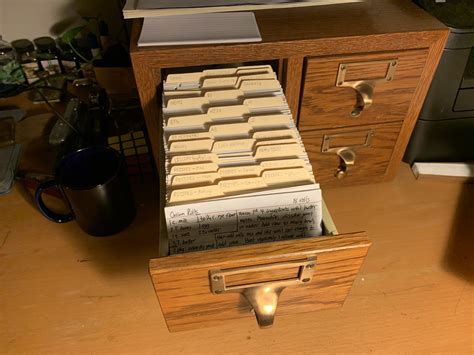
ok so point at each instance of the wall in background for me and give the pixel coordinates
(35, 18)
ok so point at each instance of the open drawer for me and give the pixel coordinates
(202, 289)
(206, 288)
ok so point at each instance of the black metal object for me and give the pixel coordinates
(445, 127)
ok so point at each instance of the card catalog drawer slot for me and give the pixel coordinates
(351, 155)
(353, 90)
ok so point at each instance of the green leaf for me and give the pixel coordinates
(68, 36)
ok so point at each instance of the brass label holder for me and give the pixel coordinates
(364, 87)
(346, 154)
(262, 297)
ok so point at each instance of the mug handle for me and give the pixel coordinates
(52, 216)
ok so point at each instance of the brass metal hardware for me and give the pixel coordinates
(346, 154)
(263, 296)
(364, 88)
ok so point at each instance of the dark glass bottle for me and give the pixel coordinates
(48, 55)
(71, 63)
(26, 57)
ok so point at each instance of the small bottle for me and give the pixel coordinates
(94, 46)
(26, 57)
(11, 76)
(105, 39)
(48, 55)
(71, 63)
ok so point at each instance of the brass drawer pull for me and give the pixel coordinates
(346, 153)
(364, 87)
(262, 296)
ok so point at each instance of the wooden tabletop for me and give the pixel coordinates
(370, 17)
(62, 291)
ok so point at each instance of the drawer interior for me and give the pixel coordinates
(329, 229)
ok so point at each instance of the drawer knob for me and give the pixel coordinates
(262, 296)
(364, 88)
(346, 153)
(340, 173)
(347, 158)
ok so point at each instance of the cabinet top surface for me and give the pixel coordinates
(355, 19)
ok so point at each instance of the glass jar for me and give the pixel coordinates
(48, 55)
(26, 57)
(11, 76)
(71, 63)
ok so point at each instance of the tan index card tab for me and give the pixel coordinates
(194, 169)
(184, 78)
(186, 103)
(189, 136)
(179, 93)
(264, 76)
(233, 81)
(219, 82)
(235, 145)
(279, 133)
(285, 176)
(226, 130)
(195, 193)
(186, 121)
(278, 151)
(265, 102)
(271, 121)
(219, 72)
(260, 85)
(277, 142)
(254, 69)
(223, 95)
(242, 185)
(204, 145)
(194, 179)
(240, 171)
(284, 163)
(226, 112)
(194, 158)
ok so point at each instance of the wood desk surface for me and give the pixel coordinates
(62, 291)
(371, 17)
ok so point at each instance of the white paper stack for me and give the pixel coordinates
(151, 8)
(236, 169)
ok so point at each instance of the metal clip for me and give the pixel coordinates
(263, 296)
(364, 88)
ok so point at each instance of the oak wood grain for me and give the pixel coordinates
(371, 162)
(432, 61)
(325, 105)
(293, 82)
(386, 25)
(182, 281)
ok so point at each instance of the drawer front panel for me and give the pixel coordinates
(353, 155)
(189, 299)
(354, 90)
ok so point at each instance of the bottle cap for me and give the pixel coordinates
(45, 43)
(5, 47)
(23, 45)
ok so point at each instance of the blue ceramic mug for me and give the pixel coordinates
(95, 185)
